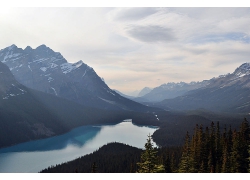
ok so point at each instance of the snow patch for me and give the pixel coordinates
(50, 79)
(12, 95)
(44, 69)
(84, 74)
(68, 67)
(21, 90)
(7, 56)
(29, 68)
(53, 65)
(54, 90)
(111, 102)
(41, 60)
(111, 93)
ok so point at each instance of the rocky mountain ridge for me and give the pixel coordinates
(227, 93)
(48, 71)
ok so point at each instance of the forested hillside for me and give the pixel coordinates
(208, 150)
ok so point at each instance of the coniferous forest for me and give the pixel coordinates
(207, 150)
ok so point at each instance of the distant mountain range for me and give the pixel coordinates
(48, 71)
(227, 93)
(169, 91)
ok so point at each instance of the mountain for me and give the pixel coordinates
(48, 71)
(124, 95)
(227, 93)
(27, 114)
(22, 117)
(171, 90)
(144, 91)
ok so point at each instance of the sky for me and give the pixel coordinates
(136, 46)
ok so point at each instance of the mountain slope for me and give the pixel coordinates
(228, 93)
(27, 114)
(48, 71)
(144, 91)
(172, 90)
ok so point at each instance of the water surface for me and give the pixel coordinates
(36, 155)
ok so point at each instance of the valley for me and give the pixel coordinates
(44, 97)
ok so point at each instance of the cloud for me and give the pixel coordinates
(129, 14)
(151, 34)
(147, 46)
(231, 36)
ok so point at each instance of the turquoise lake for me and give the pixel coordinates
(33, 156)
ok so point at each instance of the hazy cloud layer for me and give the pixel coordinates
(151, 33)
(132, 48)
(130, 14)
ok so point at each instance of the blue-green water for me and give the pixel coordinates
(34, 156)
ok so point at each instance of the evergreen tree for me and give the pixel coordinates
(212, 147)
(244, 141)
(206, 151)
(218, 149)
(186, 158)
(149, 160)
(94, 168)
(195, 150)
(225, 160)
(173, 165)
(167, 164)
(249, 158)
(234, 154)
(132, 169)
(202, 151)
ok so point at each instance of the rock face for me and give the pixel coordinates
(9, 87)
(48, 71)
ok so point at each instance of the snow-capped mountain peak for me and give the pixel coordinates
(48, 71)
(242, 70)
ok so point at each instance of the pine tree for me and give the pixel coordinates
(225, 160)
(167, 164)
(195, 150)
(218, 149)
(206, 151)
(212, 155)
(202, 151)
(235, 156)
(244, 141)
(186, 158)
(132, 169)
(94, 168)
(149, 160)
(249, 158)
(173, 163)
